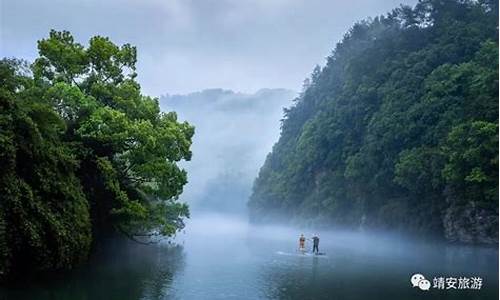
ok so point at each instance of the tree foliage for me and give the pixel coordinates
(398, 129)
(83, 153)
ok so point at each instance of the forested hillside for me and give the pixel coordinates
(83, 154)
(398, 130)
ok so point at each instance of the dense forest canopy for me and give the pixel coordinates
(83, 154)
(398, 130)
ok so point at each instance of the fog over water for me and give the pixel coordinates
(224, 257)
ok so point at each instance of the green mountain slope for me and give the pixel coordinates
(399, 129)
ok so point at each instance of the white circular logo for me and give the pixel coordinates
(420, 281)
(416, 278)
(424, 284)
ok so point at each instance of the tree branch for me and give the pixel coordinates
(133, 238)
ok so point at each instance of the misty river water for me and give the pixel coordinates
(223, 257)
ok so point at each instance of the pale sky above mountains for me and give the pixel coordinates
(187, 46)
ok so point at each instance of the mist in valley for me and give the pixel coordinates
(233, 134)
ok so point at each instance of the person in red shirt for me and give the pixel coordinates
(302, 242)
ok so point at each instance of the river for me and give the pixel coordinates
(223, 257)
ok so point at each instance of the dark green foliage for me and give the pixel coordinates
(44, 216)
(398, 130)
(83, 153)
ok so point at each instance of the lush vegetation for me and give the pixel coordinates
(83, 154)
(398, 130)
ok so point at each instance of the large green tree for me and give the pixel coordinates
(83, 148)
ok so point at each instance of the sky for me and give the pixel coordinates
(190, 45)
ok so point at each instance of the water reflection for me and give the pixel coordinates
(378, 267)
(223, 257)
(120, 269)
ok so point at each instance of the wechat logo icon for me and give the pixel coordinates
(418, 280)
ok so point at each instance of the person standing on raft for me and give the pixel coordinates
(315, 239)
(302, 243)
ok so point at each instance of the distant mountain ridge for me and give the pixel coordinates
(225, 98)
